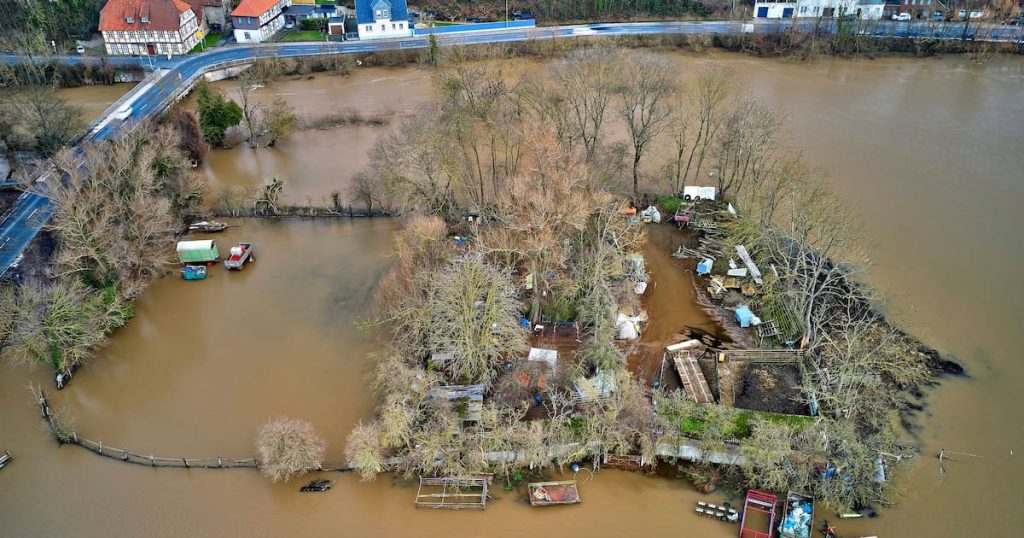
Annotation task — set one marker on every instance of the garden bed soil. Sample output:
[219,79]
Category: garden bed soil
[770,387]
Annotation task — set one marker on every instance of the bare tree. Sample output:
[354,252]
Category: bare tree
[474,321]
[747,147]
[533,220]
[364,451]
[712,88]
[280,120]
[586,83]
[289,448]
[252,109]
[647,83]
[59,324]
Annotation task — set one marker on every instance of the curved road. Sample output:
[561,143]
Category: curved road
[172,77]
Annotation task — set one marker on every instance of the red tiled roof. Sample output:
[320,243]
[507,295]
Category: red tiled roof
[163,15]
[253,8]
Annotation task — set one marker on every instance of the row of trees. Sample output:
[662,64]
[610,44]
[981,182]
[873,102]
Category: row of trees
[118,205]
[620,109]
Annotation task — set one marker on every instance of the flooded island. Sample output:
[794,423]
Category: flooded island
[606,286]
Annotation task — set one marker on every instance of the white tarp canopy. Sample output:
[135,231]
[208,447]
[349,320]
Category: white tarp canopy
[185,246]
[651,214]
[695,192]
[547,356]
[602,385]
[628,327]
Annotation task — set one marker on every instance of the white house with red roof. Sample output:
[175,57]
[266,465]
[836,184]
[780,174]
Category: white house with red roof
[256,20]
[141,27]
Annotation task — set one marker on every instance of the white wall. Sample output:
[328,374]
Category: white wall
[815,8]
[775,9]
[385,28]
[261,35]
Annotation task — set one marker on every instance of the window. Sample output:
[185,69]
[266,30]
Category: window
[246,34]
[129,20]
[369,28]
[145,20]
[401,26]
[393,26]
[382,28]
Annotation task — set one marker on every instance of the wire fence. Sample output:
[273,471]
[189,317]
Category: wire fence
[150,460]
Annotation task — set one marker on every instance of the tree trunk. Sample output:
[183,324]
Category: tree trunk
[636,171]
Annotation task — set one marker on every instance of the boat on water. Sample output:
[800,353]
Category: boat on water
[317,486]
[798,516]
[240,255]
[208,227]
[551,493]
[758,520]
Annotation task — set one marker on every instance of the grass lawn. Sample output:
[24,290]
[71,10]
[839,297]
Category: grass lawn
[322,2]
[209,40]
[445,23]
[304,35]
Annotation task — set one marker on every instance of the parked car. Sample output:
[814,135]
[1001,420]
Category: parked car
[1016,21]
[902,17]
[80,49]
[474,19]
[289,25]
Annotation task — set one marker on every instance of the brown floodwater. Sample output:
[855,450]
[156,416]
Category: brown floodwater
[93,100]
[925,150]
[315,163]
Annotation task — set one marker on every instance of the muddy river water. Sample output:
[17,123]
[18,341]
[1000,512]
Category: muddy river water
[927,151]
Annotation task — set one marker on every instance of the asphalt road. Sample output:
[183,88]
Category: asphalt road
[149,97]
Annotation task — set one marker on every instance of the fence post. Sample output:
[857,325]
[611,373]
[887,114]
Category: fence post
[219,464]
[124,457]
[185,461]
[152,461]
[99,447]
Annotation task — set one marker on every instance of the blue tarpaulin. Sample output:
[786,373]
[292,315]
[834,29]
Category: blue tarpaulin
[744,316]
[704,266]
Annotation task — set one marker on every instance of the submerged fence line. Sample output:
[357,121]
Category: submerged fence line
[681,449]
[127,456]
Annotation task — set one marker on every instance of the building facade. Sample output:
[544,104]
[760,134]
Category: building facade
[143,27]
[383,18]
[210,14]
[826,9]
[255,21]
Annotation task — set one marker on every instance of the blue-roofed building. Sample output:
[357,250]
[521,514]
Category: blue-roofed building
[383,18]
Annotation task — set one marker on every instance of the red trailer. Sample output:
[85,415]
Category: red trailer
[758,515]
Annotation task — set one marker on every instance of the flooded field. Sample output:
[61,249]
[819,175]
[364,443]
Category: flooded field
[925,150]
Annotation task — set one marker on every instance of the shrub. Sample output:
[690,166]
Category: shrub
[289,448]
[669,204]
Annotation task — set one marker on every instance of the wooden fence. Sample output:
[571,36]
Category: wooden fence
[149,460]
